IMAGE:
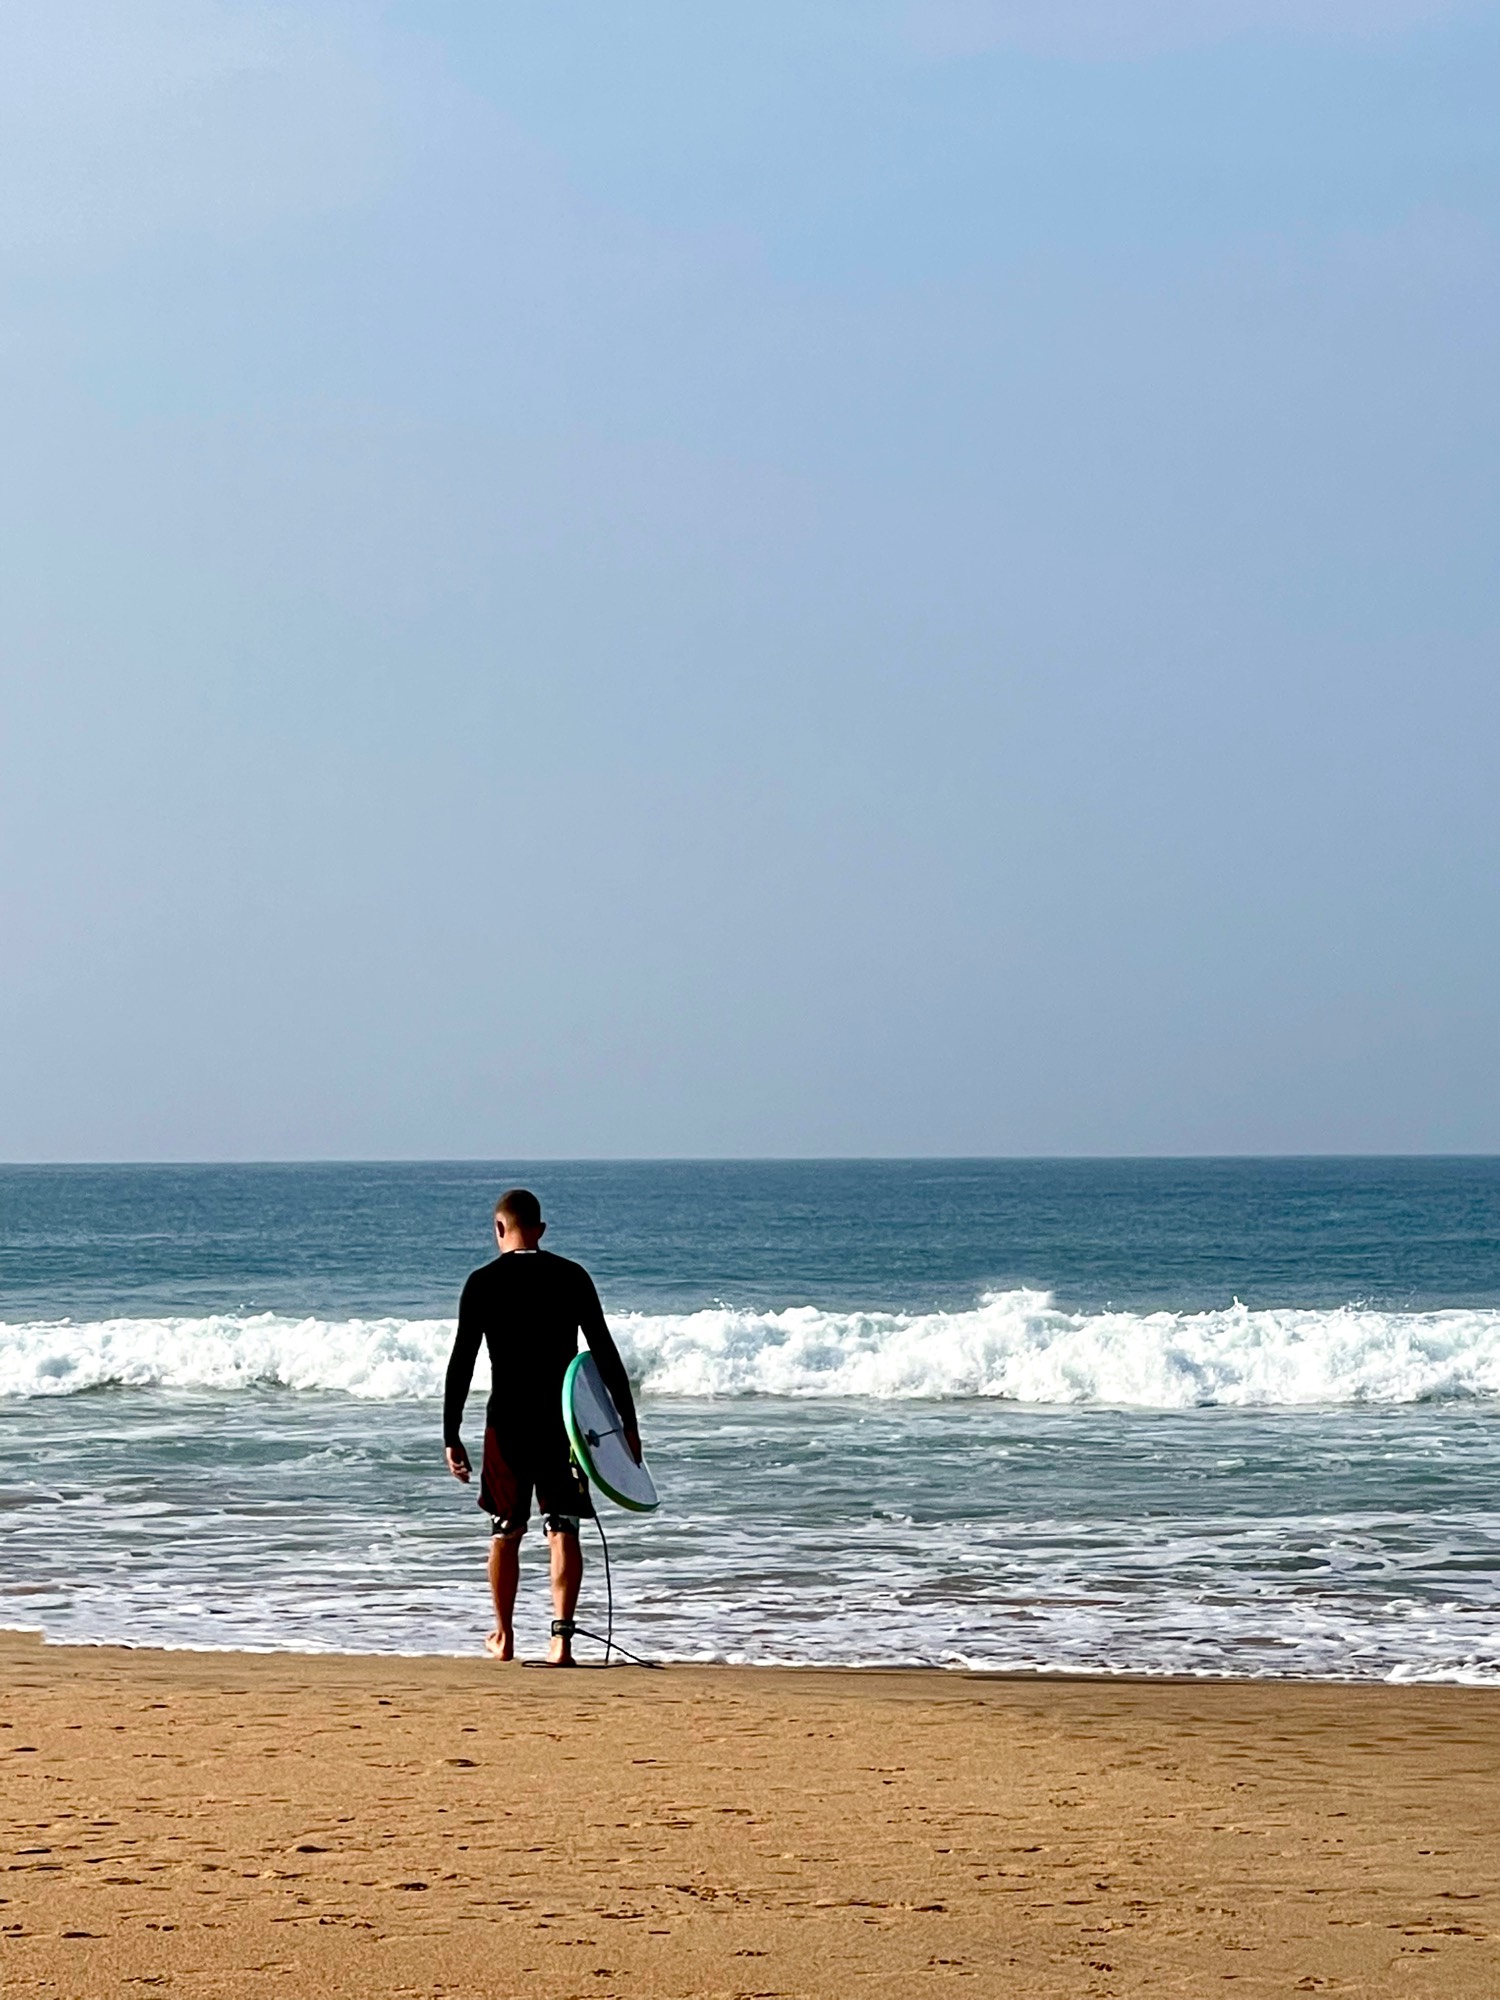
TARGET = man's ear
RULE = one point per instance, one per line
(541, 1231)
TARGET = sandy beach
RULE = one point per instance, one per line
(287, 1825)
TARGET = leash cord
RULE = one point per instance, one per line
(608, 1640)
(609, 1591)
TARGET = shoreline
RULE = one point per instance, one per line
(1003, 1676)
(237, 1823)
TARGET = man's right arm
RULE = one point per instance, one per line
(611, 1368)
(460, 1375)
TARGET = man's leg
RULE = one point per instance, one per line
(505, 1574)
(506, 1497)
(567, 1574)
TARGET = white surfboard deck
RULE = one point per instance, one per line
(598, 1438)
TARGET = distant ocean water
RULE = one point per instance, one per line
(1151, 1416)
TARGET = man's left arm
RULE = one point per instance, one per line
(602, 1346)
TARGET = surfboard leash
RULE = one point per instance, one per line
(608, 1640)
(609, 1589)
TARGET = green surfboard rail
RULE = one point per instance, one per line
(579, 1441)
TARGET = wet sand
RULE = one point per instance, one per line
(223, 1824)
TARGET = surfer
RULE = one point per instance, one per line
(529, 1307)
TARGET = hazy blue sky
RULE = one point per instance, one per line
(831, 577)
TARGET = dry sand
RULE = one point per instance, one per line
(222, 1824)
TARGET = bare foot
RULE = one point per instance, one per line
(500, 1645)
(560, 1654)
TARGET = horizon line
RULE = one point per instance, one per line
(731, 1159)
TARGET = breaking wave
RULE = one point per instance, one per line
(1015, 1345)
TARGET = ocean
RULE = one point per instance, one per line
(1192, 1417)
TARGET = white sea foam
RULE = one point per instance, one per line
(387, 1359)
(1015, 1344)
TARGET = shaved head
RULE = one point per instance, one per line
(520, 1206)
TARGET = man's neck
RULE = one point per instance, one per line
(517, 1235)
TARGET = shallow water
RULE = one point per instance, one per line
(218, 1421)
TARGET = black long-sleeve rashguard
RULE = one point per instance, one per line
(529, 1308)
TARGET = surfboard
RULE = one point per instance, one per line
(598, 1438)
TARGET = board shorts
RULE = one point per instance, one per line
(508, 1481)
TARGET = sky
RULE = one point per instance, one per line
(817, 577)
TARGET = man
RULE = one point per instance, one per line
(528, 1307)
